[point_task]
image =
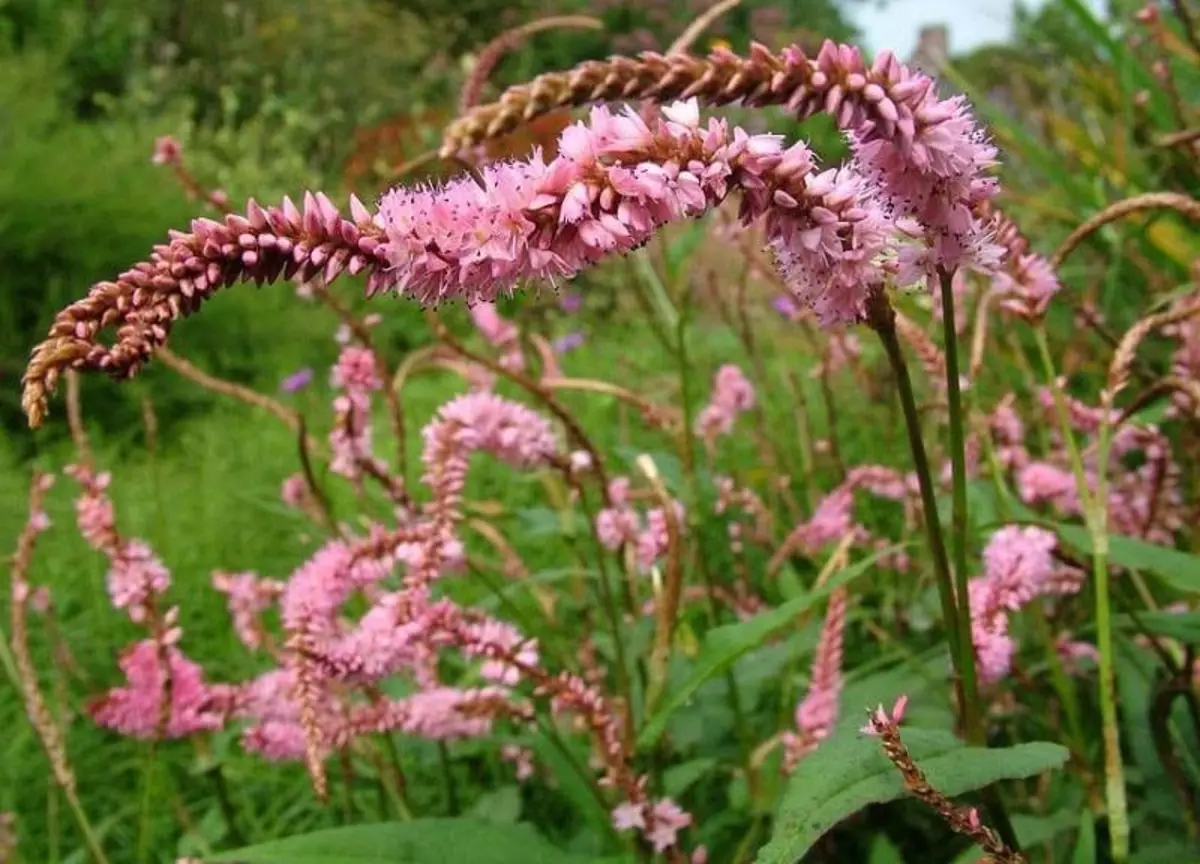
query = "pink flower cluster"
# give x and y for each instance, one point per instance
(166, 695)
(614, 182)
(621, 525)
(732, 395)
(818, 710)
(1019, 566)
(1145, 496)
(357, 377)
(834, 517)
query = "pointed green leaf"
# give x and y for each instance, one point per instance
(426, 841)
(849, 771)
(1178, 569)
(723, 646)
(1085, 843)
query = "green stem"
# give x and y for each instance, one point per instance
(1095, 508)
(960, 517)
(609, 601)
(447, 779)
(399, 791)
(1062, 683)
(882, 320)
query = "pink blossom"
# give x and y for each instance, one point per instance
(248, 597)
(521, 758)
(818, 710)
(1018, 566)
(653, 541)
(732, 395)
(135, 576)
(481, 421)
(499, 634)
(616, 526)
(881, 717)
(669, 820)
(627, 816)
(167, 150)
(294, 491)
(94, 512)
(1043, 483)
(137, 710)
(832, 520)
(609, 190)
(356, 370)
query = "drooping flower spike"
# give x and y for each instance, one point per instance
(914, 199)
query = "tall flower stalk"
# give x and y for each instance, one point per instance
(960, 518)
(1094, 502)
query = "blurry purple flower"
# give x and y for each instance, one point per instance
(571, 302)
(568, 343)
(297, 381)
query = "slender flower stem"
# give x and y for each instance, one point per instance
(960, 520)
(398, 789)
(882, 320)
(1095, 508)
(448, 786)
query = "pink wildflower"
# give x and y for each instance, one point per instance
(627, 816)
(732, 394)
(356, 370)
(249, 597)
(818, 710)
(167, 150)
(135, 576)
(137, 710)
(833, 519)
(669, 820)
(1018, 566)
(521, 758)
(294, 491)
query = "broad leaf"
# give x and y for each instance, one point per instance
(1183, 626)
(426, 841)
(849, 771)
(1178, 569)
(723, 646)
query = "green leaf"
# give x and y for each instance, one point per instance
(679, 778)
(849, 771)
(566, 769)
(1085, 844)
(426, 841)
(884, 851)
(1178, 569)
(1182, 626)
(724, 645)
(544, 522)
(501, 806)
